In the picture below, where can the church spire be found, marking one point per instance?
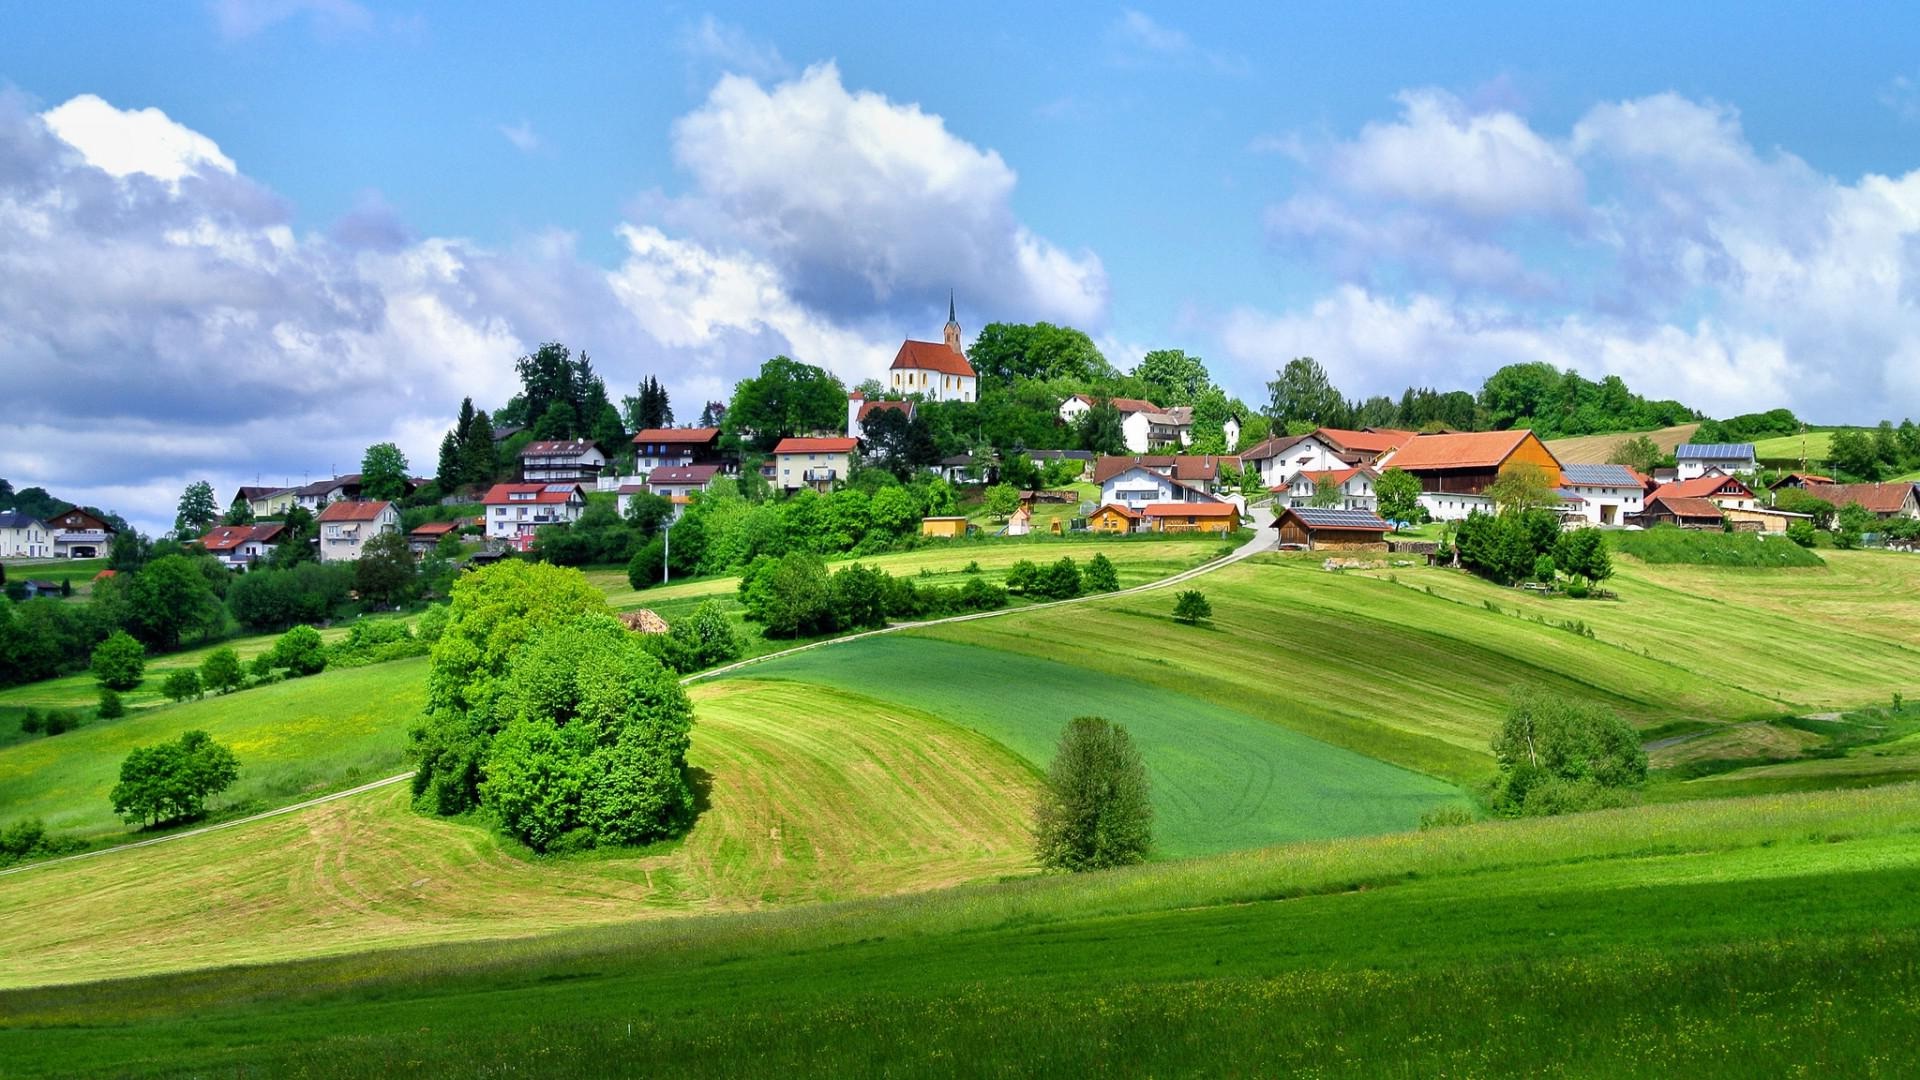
(953, 326)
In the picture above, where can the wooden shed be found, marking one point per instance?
(1113, 518)
(1687, 513)
(943, 526)
(1323, 528)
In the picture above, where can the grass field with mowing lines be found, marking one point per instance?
(293, 739)
(1596, 449)
(1814, 446)
(1655, 940)
(1221, 779)
(809, 794)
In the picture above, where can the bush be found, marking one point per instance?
(1582, 554)
(1101, 576)
(111, 707)
(433, 622)
(1060, 581)
(1803, 533)
(1094, 811)
(119, 661)
(1021, 576)
(1557, 756)
(858, 597)
(980, 595)
(791, 596)
(706, 639)
(1191, 607)
(172, 781)
(373, 641)
(27, 840)
(181, 685)
(299, 651)
(60, 721)
(648, 564)
(32, 722)
(220, 671)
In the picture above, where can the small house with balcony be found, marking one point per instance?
(516, 511)
(79, 533)
(1695, 459)
(816, 463)
(1353, 488)
(240, 547)
(659, 448)
(345, 527)
(24, 537)
(555, 461)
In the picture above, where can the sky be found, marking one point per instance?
(242, 240)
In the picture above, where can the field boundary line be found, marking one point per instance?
(1251, 547)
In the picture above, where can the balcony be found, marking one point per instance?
(818, 476)
(82, 536)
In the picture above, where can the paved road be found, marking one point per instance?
(1263, 540)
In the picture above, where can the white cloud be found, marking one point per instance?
(1136, 39)
(732, 49)
(239, 19)
(521, 135)
(124, 142)
(1488, 165)
(1140, 29)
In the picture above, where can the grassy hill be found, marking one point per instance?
(1789, 449)
(1654, 940)
(1596, 449)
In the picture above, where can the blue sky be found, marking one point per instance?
(404, 196)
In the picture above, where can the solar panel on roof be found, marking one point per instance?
(1599, 475)
(559, 487)
(1329, 518)
(1713, 450)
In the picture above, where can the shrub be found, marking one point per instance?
(1556, 756)
(1803, 533)
(28, 839)
(60, 721)
(111, 707)
(791, 596)
(1021, 576)
(1060, 581)
(980, 595)
(220, 672)
(173, 780)
(705, 639)
(1191, 607)
(859, 598)
(1582, 554)
(181, 685)
(300, 651)
(1448, 816)
(1094, 811)
(1101, 576)
(433, 622)
(648, 564)
(119, 661)
(373, 641)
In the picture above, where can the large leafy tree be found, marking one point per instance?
(1099, 429)
(1174, 377)
(1094, 811)
(1557, 755)
(1007, 351)
(786, 398)
(1640, 453)
(1398, 494)
(898, 443)
(167, 600)
(386, 573)
(173, 780)
(1301, 393)
(197, 511)
(1522, 486)
(383, 472)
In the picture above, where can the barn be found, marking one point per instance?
(1322, 528)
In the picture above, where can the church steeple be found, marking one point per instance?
(953, 326)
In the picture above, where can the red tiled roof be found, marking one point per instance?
(1701, 487)
(1191, 468)
(931, 356)
(829, 445)
(502, 494)
(1471, 450)
(1205, 509)
(1880, 498)
(436, 528)
(1684, 506)
(872, 407)
(228, 537)
(1123, 511)
(353, 511)
(677, 435)
(1378, 441)
(1336, 476)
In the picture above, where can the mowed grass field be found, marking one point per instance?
(1222, 779)
(809, 794)
(294, 738)
(1596, 449)
(1717, 940)
(1813, 446)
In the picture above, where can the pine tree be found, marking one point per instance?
(451, 471)
(477, 458)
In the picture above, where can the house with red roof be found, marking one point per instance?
(239, 547)
(655, 448)
(859, 408)
(817, 462)
(1220, 517)
(1146, 478)
(1684, 511)
(427, 536)
(516, 511)
(1353, 484)
(1456, 468)
(1898, 499)
(1721, 489)
(346, 526)
(935, 371)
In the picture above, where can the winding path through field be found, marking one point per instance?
(1263, 540)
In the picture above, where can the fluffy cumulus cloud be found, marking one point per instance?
(1651, 240)
(164, 320)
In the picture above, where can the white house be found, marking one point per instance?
(1607, 493)
(1282, 458)
(654, 448)
(816, 463)
(1694, 459)
(241, 546)
(23, 537)
(1723, 490)
(1230, 428)
(321, 492)
(516, 511)
(78, 533)
(859, 408)
(677, 485)
(560, 460)
(936, 371)
(1137, 486)
(1355, 486)
(346, 526)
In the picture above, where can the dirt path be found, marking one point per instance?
(1263, 540)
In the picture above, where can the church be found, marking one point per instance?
(934, 370)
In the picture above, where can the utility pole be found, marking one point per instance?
(666, 554)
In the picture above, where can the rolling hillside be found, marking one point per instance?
(1595, 449)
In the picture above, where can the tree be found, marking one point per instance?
(789, 596)
(1398, 494)
(240, 512)
(1640, 453)
(300, 651)
(1004, 352)
(1520, 392)
(1326, 493)
(170, 598)
(119, 661)
(858, 598)
(787, 398)
(708, 637)
(713, 414)
(173, 780)
(1582, 553)
(649, 406)
(1557, 755)
(1301, 392)
(1522, 486)
(478, 458)
(1852, 455)
(1851, 523)
(1505, 548)
(181, 685)
(111, 706)
(899, 443)
(1001, 501)
(1191, 607)
(220, 671)
(1094, 811)
(383, 472)
(127, 553)
(1173, 377)
(197, 511)
(1101, 576)
(386, 573)
(593, 741)
(1101, 429)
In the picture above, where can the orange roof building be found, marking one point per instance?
(936, 371)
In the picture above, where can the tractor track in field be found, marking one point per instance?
(1262, 516)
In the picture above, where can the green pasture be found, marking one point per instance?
(1644, 942)
(1789, 449)
(293, 739)
(79, 571)
(1222, 779)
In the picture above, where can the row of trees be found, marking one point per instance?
(795, 595)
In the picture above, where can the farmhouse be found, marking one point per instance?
(79, 534)
(271, 502)
(859, 408)
(1113, 518)
(1218, 517)
(1363, 447)
(425, 538)
(1694, 459)
(516, 511)
(936, 371)
(1354, 485)
(1316, 528)
(345, 527)
(557, 461)
(1721, 489)
(656, 448)
(1688, 512)
(816, 463)
(1144, 425)
(23, 537)
(241, 546)
(1282, 458)
(1607, 493)
(1135, 482)
(1455, 470)
(1881, 500)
